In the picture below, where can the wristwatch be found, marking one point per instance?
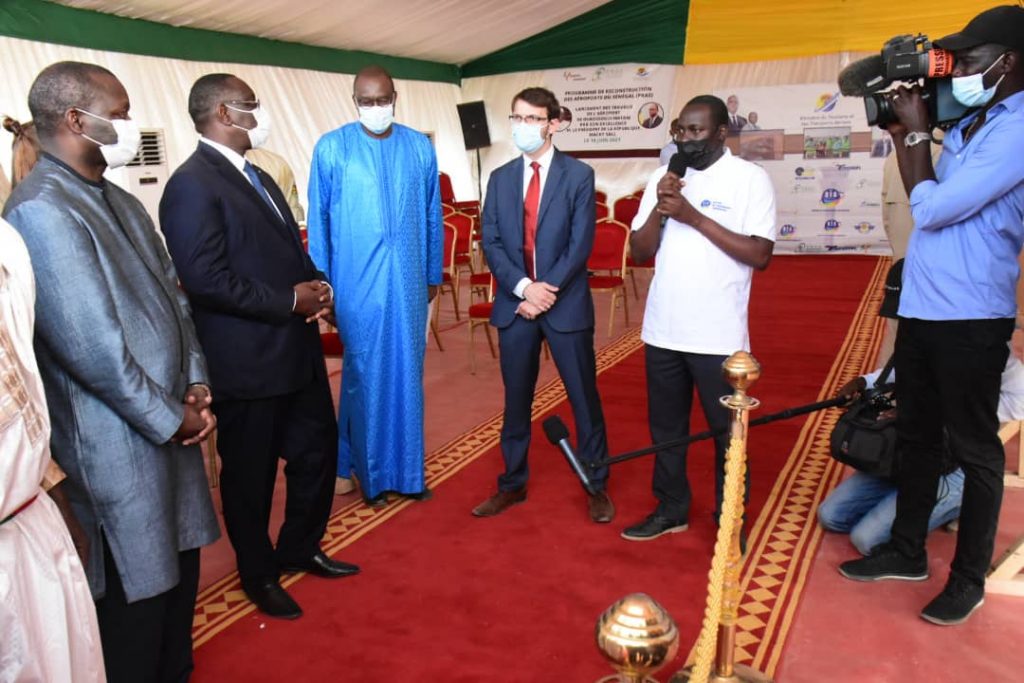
(916, 138)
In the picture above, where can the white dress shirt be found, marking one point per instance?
(545, 165)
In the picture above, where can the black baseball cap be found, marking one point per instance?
(1003, 25)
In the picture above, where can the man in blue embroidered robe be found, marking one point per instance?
(375, 229)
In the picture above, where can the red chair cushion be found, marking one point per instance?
(330, 342)
(481, 310)
(605, 281)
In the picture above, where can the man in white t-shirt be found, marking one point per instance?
(709, 230)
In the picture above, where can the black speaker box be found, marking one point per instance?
(474, 125)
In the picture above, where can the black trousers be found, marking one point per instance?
(300, 427)
(948, 376)
(671, 378)
(573, 353)
(150, 640)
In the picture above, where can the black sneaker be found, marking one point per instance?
(652, 527)
(955, 603)
(885, 562)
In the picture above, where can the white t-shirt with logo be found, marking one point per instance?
(698, 297)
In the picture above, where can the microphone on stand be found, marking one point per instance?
(558, 435)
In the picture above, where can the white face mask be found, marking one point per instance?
(970, 91)
(528, 137)
(377, 119)
(257, 135)
(122, 150)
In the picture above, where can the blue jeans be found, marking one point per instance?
(864, 506)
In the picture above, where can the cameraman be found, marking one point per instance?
(957, 307)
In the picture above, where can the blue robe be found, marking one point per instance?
(375, 229)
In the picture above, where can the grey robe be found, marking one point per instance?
(117, 351)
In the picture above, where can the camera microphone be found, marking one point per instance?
(558, 435)
(863, 77)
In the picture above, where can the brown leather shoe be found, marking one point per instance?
(499, 502)
(602, 510)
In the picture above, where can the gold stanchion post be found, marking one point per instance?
(717, 640)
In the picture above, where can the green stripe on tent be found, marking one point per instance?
(52, 23)
(652, 31)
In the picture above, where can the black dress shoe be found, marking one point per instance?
(424, 495)
(653, 527)
(377, 502)
(321, 565)
(273, 600)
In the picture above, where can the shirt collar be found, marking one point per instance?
(101, 184)
(1013, 103)
(236, 159)
(544, 160)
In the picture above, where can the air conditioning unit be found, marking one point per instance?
(146, 175)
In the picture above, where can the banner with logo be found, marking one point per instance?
(613, 107)
(824, 161)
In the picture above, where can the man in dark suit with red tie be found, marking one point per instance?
(538, 224)
(254, 293)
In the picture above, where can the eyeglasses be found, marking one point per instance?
(530, 118)
(243, 105)
(374, 102)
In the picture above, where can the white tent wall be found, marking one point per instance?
(619, 177)
(304, 104)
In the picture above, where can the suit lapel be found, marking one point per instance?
(552, 186)
(517, 195)
(236, 178)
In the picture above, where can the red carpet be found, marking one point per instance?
(447, 597)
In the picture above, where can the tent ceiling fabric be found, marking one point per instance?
(449, 31)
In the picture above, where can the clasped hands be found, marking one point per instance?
(671, 202)
(538, 298)
(314, 300)
(198, 422)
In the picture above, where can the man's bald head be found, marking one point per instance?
(373, 73)
(63, 86)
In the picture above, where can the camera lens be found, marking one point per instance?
(878, 107)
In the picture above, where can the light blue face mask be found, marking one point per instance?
(970, 91)
(528, 138)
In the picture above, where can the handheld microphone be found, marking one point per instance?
(677, 164)
(863, 77)
(558, 435)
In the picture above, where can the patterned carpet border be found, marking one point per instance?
(785, 537)
(223, 603)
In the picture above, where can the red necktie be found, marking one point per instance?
(530, 207)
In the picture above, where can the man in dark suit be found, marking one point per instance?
(255, 292)
(736, 122)
(654, 117)
(538, 225)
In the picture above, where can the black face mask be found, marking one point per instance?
(699, 154)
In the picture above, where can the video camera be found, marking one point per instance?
(907, 59)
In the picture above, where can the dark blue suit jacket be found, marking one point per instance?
(565, 236)
(238, 261)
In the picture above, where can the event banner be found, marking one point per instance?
(615, 107)
(824, 161)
